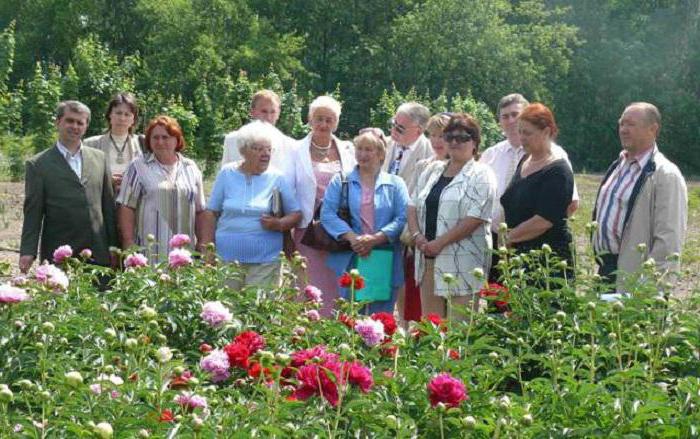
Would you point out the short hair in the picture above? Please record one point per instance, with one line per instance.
(651, 113)
(465, 122)
(127, 99)
(540, 116)
(437, 123)
(265, 94)
(327, 102)
(418, 113)
(171, 126)
(371, 138)
(254, 132)
(513, 98)
(74, 106)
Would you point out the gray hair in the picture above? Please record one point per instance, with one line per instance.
(418, 113)
(74, 106)
(255, 132)
(513, 98)
(651, 113)
(327, 102)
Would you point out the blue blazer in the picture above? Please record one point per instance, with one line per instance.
(390, 204)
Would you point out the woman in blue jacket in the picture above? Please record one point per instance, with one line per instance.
(377, 202)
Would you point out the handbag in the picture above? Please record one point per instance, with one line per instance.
(277, 210)
(317, 237)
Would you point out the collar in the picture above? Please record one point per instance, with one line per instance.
(511, 147)
(382, 177)
(150, 158)
(642, 159)
(65, 152)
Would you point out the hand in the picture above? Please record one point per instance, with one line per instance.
(420, 241)
(364, 244)
(116, 182)
(25, 263)
(432, 248)
(271, 223)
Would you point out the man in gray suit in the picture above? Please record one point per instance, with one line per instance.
(68, 195)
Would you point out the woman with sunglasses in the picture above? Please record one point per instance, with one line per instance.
(449, 218)
(537, 198)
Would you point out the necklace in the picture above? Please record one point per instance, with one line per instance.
(120, 152)
(322, 150)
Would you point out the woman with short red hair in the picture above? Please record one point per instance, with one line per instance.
(162, 193)
(537, 197)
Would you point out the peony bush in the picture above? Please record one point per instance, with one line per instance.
(169, 351)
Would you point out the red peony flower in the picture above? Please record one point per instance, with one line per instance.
(388, 349)
(346, 280)
(432, 318)
(255, 369)
(499, 292)
(133, 377)
(166, 416)
(252, 340)
(182, 381)
(347, 320)
(238, 354)
(315, 379)
(444, 388)
(359, 283)
(358, 375)
(205, 348)
(453, 354)
(387, 320)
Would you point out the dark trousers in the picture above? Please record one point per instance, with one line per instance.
(494, 273)
(607, 266)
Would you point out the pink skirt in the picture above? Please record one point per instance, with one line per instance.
(318, 274)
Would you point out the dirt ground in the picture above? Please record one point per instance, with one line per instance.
(12, 196)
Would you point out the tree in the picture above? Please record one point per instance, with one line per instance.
(43, 95)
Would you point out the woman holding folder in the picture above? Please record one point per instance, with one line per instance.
(377, 202)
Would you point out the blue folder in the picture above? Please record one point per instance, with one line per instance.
(377, 269)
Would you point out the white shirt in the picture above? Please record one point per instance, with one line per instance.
(503, 159)
(75, 161)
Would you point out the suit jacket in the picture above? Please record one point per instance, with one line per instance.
(421, 149)
(68, 210)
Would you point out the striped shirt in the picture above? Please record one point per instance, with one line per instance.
(613, 202)
(166, 200)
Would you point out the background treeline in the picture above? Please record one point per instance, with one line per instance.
(200, 60)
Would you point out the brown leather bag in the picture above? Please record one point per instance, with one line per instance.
(317, 237)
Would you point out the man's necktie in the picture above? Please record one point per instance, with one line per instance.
(396, 164)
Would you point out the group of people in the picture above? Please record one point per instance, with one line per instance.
(431, 204)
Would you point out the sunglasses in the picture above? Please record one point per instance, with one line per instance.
(459, 138)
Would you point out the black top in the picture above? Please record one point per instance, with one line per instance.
(546, 193)
(431, 206)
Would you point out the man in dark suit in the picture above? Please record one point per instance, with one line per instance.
(68, 194)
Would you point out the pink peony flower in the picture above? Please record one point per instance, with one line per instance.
(216, 363)
(371, 331)
(179, 257)
(135, 260)
(313, 294)
(86, 254)
(190, 401)
(313, 315)
(96, 388)
(444, 388)
(19, 281)
(52, 276)
(179, 240)
(10, 294)
(358, 375)
(62, 253)
(215, 314)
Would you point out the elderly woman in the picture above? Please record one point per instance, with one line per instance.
(377, 202)
(241, 215)
(449, 219)
(319, 157)
(536, 201)
(409, 305)
(119, 143)
(161, 193)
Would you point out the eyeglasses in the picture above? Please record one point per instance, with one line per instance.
(397, 126)
(459, 138)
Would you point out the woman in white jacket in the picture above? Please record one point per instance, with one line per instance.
(317, 158)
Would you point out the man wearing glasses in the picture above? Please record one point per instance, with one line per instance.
(408, 145)
(504, 157)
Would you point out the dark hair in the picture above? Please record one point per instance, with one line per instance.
(74, 106)
(465, 122)
(171, 126)
(127, 99)
(541, 117)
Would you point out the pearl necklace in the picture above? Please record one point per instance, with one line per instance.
(322, 150)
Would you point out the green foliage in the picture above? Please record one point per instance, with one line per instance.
(15, 151)
(7, 55)
(42, 95)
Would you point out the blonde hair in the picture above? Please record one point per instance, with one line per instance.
(265, 94)
(437, 123)
(369, 138)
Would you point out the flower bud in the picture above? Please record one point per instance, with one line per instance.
(110, 333)
(391, 421)
(562, 265)
(73, 378)
(560, 316)
(25, 384)
(6, 394)
(641, 247)
(617, 306)
(103, 430)
(591, 227)
(649, 263)
(478, 273)
(282, 358)
(546, 249)
(131, 343)
(164, 354)
(674, 257)
(39, 345)
(144, 433)
(590, 306)
(527, 419)
(150, 237)
(448, 278)
(355, 273)
(493, 356)
(502, 228)
(48, 327)
(19, 324)
(469, 422)
(178, 370)
(504, 403)
(104, 307)
(147, 312)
